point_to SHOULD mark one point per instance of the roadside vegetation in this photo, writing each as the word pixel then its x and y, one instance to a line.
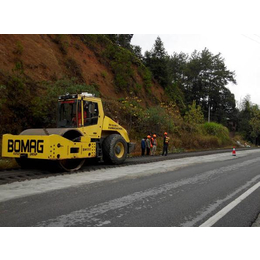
pixel 6 163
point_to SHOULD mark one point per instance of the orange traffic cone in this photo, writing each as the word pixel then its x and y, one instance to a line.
pixel 234 151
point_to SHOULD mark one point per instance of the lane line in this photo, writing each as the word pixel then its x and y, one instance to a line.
pixel 211 221
pixel 205 212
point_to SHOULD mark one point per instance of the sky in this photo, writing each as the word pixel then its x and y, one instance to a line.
pixel 241 53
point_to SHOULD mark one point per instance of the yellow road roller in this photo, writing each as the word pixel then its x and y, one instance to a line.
pixel 83 132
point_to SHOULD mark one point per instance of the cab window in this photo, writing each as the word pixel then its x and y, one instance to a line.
pixel 66 113
pixel 90 113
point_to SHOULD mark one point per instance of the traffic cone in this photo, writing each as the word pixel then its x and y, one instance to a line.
pixel 234 151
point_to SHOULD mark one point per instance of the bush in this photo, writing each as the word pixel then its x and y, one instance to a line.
pixel 74 69
pixel 121 63
pixel 6 163
pixel 146 74
pixel 15 102
pixel 62 41
pixel 157 120
pixel 217 130
pixel 19 48
pixel 194 115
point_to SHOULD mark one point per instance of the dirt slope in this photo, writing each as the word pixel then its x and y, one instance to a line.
pixel 53 57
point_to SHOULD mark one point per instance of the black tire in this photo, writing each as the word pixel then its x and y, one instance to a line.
pixel 71 165
pixel 114 149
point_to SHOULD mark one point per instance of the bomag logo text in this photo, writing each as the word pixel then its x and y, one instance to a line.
pixel 28 146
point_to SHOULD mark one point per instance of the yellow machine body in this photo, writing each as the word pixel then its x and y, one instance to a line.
pixel 67 141
pixel 48 147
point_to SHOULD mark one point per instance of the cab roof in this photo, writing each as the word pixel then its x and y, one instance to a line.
pixel 77 96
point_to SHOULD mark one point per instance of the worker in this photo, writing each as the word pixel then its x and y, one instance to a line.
pixel 154 144
pixel 166 140
pixel 143 145
pixel 148 144
pixel 79 123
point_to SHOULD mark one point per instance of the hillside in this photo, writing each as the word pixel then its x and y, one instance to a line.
pixel 54 57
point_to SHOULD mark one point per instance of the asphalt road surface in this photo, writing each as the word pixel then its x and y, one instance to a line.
pixel 212 190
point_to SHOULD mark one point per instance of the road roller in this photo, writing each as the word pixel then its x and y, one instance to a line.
pixel 83 132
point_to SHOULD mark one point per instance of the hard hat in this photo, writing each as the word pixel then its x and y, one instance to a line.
pixel 165 133
pixel 148 136
pixel 154 135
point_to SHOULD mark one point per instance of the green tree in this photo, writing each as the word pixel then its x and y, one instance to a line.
pixel 177 66
pixel 244 117
pixel 203 77
pixel 157 61
pixel 15 101
pixel 123 40
pixel 194 115
pixel 208 79
pixel 255 123
pixel 249 121
pixel 176 94
pixel 137 50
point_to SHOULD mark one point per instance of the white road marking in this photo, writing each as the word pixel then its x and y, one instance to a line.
pixel 211 221
pixel 207 210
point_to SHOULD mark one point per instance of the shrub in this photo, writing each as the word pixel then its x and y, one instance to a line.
pixel 19 48
pixel 197 141
pixel 18 67
pixel 62 41
pixel 217 130
pixel 104 74
pixel 156 120
pixel 146 74
pixel 15 100
pixel 74 69
pixel 121 63
pixel 194 115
